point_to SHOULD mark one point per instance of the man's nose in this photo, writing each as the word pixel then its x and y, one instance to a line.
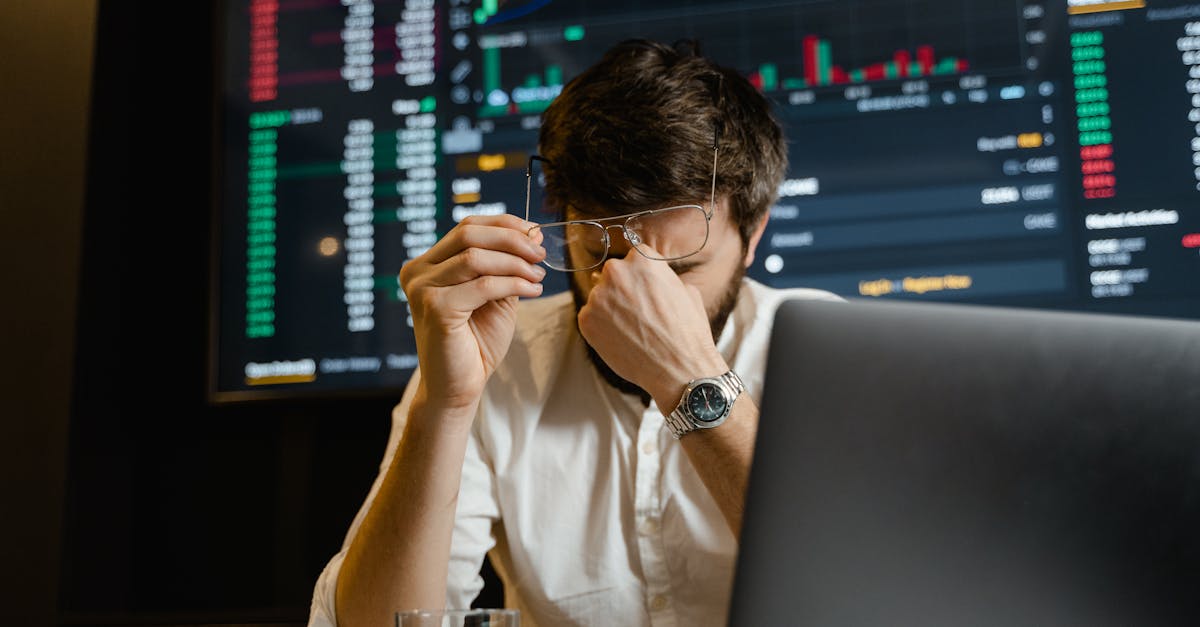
pixel 619 245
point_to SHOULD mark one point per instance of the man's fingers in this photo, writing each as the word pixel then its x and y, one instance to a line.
pixel 477 292
pixel 476 262
pixel 648 252
pixel 505 233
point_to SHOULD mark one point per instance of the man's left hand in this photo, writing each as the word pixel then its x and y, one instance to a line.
pixel 649 326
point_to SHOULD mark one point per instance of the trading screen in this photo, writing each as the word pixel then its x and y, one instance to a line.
pixel 1027 153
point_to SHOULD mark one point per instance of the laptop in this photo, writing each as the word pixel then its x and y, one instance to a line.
pixel 967 465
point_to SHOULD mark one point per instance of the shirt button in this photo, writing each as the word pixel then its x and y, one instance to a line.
pixel 658 603
pixel 648 447
pixel 650 526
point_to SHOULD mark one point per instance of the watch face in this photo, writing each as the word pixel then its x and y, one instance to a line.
pixel 706 402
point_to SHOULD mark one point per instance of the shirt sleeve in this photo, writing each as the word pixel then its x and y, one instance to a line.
pixel 472 538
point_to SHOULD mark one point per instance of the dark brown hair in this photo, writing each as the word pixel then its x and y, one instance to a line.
pixel 635 131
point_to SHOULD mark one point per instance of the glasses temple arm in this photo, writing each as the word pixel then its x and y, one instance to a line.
pixel 528 178
pixel 712 201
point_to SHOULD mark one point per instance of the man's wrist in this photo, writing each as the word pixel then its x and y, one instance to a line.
pixel 705 404
pixel 668 387
pixel 428 406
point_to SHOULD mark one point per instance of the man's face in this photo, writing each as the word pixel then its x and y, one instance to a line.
pixel 716 271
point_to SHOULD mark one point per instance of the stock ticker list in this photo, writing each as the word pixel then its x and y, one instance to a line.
pixel 1036 153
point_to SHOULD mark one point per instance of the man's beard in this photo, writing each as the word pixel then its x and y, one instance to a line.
pixel 716 324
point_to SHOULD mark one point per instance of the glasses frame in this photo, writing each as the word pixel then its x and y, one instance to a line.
pixel 630 236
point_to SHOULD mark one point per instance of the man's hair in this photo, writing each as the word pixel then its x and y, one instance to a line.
pixel 635 131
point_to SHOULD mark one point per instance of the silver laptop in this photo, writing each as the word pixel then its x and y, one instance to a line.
pixel 945 464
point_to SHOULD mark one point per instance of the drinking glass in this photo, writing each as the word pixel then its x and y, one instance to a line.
pixel 459 618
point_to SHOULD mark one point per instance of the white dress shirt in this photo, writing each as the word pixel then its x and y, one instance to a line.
pixel 590 509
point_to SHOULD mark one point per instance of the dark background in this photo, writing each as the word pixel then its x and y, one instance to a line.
pixel 127 498
pixel 45 65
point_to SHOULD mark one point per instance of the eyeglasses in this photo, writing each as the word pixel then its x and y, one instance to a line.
pixel 665 234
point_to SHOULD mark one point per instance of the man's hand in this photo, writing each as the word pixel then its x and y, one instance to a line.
pixel 649 326
pixel 463 294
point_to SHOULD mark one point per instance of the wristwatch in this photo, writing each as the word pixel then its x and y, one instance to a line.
pixel 706 403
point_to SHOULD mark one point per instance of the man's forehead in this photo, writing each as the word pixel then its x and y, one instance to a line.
pixel 613 211
pixel 600 211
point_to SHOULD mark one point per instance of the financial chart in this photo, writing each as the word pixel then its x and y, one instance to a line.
pixel 1028 153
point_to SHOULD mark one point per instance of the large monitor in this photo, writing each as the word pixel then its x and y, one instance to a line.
pixel 1030 153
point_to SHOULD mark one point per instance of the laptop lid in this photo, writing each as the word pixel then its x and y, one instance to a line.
pixel 945 464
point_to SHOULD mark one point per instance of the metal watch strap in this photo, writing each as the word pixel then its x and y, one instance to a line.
pixel 678 420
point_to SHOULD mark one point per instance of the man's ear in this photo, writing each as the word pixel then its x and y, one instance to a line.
pixel 755 237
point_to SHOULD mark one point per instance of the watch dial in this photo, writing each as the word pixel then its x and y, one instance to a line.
pixel 706 402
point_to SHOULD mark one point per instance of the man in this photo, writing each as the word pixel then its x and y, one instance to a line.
pixel 536 431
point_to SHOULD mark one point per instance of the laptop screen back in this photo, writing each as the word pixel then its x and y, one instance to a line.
pixel 937 464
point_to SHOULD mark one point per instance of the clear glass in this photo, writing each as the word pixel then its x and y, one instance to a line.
pixel 459 618
pixel 668 233
pixel 584 244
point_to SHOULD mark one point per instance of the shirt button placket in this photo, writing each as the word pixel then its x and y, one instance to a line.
pixel 650 543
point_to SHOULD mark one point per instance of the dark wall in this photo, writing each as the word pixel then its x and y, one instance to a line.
pixel 178 511
pixel 45 71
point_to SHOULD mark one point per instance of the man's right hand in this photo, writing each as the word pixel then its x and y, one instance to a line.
pixel 463 294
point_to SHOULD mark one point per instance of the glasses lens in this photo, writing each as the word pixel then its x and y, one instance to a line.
pixel 573 245
pixel 670 233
